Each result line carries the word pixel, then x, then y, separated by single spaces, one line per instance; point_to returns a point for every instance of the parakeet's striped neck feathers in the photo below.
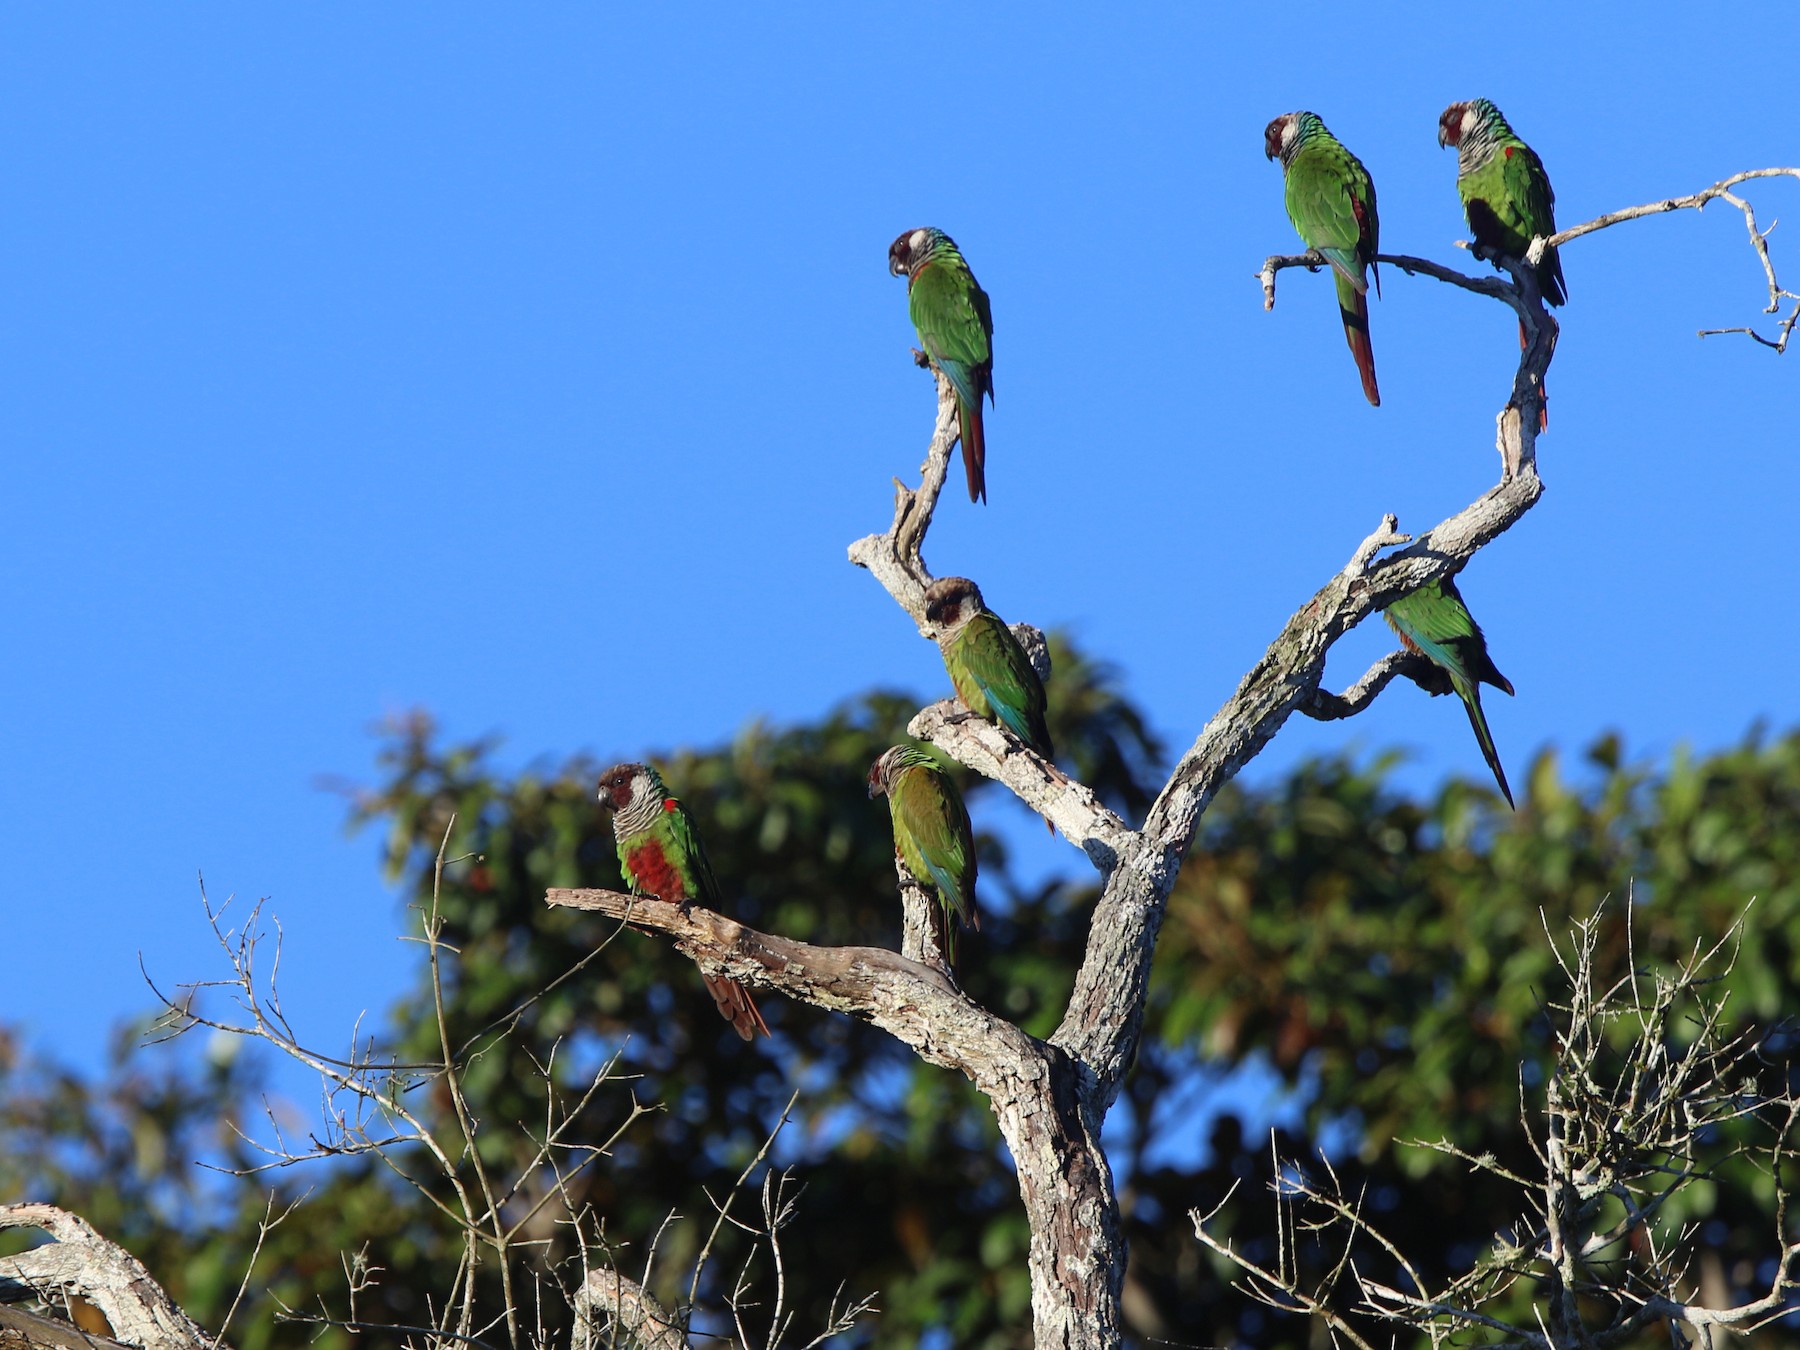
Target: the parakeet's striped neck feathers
pixel 893 763
pixel 950 603
pixel 1288 134
pixel 636 794
pixel 915 248
pixel 1477 130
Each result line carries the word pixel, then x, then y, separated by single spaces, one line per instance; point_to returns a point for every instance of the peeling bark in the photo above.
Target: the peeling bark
pixel 1051 1098
pixel 78 1260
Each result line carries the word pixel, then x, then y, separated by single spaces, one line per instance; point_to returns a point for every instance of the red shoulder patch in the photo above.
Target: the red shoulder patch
pixel 670 804
pixel 1508 151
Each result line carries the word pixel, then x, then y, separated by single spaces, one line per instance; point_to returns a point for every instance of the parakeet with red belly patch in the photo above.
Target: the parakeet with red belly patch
pixel 956 328
pixel 1331 201
pixel 660 854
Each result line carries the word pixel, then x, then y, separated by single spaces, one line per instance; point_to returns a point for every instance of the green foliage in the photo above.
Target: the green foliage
pixel 1391 958
pixel 1384 954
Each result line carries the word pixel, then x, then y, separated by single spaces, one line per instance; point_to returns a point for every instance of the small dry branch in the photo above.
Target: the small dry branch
pixel 1621 1134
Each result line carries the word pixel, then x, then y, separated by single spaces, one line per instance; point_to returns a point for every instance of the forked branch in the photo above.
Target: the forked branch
pixel 1325 706
pixel 1051 1098
pixel 912 1001
pixel 1512 295
pixel 895 557
pixel 78 1260
pixel 1759 242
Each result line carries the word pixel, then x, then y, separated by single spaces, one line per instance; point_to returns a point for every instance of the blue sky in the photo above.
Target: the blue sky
pixel 536 364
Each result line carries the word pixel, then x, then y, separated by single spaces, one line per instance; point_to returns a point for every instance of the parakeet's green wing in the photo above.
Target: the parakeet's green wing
pixel 1436 619
pixel 1320 205
pixel 999 667
pixel 687 846
pixel 1529 186
pixel 1331 201
pixel 935 838
pixel 951 313
pixel 1509 201
pixel 1433 617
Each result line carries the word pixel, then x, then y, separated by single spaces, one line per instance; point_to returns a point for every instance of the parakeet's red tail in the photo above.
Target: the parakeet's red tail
pixel 736 1006
pixel 974 448
pixel 1543 389
pixel 1355 309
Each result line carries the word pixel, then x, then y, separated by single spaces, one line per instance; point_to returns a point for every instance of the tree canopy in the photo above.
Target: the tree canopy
pixel 1347 963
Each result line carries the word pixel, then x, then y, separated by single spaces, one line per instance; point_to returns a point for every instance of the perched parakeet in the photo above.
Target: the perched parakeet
pixel 1505 194
pixel 1434 622
pixel 661 856
pixel 1331 200
pixel 1504 189
pixel 932 834
pixel 956 329
pixel 992 675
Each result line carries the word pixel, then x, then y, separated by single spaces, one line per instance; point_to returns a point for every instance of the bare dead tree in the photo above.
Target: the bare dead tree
pixel 1619 1133
pixel 1051 1096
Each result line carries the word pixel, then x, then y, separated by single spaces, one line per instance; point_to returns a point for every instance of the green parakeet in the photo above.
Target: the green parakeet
pixel 989 669
pixel 1434 622
pixel 1331 200
pixel 661 856
pixel 932 834
pixel 1505 194
pixel 956 329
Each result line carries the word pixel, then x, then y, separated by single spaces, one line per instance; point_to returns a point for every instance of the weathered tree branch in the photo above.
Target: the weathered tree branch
pixel 1693 201
pixel 1289 671
pixel 895 557
pixel 1076 1243
pixel 1759 241
pixel 1102 1034
pixel 1050 1098
pixel 1032 1087
pixel 1325 706
pixel 1312 260
pixel 995 753
pixel 1492 287
pixel 21 1330
pixel 80 1261
pixel 609 1306
pixel 912 1001
pixel 1520 295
